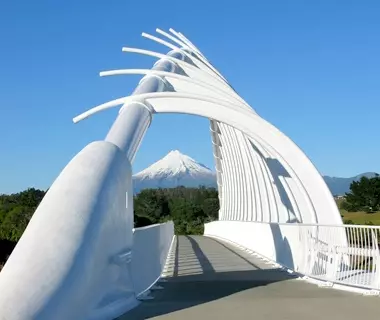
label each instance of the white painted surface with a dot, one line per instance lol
(69, 263)
(337, 254)
(282, 243)
(150, 249)
(72, 261)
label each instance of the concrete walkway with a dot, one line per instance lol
(210, 279)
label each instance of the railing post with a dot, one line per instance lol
(376, 264)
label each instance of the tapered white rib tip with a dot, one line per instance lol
(106, 73)
(172, 30)
(78, 118)
(128, 49)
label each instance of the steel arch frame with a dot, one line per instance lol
(252, 191)
(87, 214)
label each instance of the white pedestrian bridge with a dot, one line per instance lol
(278, 250)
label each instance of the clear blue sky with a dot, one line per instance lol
(311, 68)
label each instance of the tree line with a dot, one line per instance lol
(189, 208)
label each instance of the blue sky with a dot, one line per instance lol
(311, 68)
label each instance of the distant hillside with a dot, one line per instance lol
(177, 169)
(339, 186)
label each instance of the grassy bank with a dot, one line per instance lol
(361, 217)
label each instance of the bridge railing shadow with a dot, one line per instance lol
(198, 277)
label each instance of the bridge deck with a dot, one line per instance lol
(210, 279)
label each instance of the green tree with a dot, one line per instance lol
(15, 212)
(364, 195)
(189, 208)
(211, 208)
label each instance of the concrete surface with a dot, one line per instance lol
(210, 279)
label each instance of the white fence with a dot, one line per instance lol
(150, 249)
(345, 254)
(355, 262)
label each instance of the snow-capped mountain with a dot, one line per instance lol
(173, 170)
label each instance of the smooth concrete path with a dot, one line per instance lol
(211, 279)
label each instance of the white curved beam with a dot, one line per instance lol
(171, 75)
(198, 62)
(298, 183)
(255, 162)
(101, 107)
(187, 41)
(261, 172)
(126, 99)
(194, 48)
(253, 126)
(197, 51)
(227, 106)
(297, 164)
(181, 63)
(163, 42)
(199, 73)
(174, 39)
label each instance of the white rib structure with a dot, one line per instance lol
(262, 175)
(79, 257)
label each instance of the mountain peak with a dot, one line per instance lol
(177, 156)
(173, 170)
(175, 152)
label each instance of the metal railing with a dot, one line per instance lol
(346, 254)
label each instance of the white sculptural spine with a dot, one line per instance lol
(73, 261)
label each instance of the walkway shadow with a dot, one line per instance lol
(196, 279)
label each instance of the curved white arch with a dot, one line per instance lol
(181, 63)
(200, 63)
(101, 107)
(286, 186)
(163, 42)
(174, 39)
(181, 36)
(213, 100)
(197, 51)
(178, 35)
(256, 165)
(257, 129)
(169, 75)
(198, 73)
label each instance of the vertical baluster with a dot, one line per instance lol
(350, 256)
(365, 253)
(354, 251)
(360, 255)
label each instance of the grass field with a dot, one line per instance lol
(361, 217)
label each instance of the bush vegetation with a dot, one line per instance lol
(362, 204)
(189, 208)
